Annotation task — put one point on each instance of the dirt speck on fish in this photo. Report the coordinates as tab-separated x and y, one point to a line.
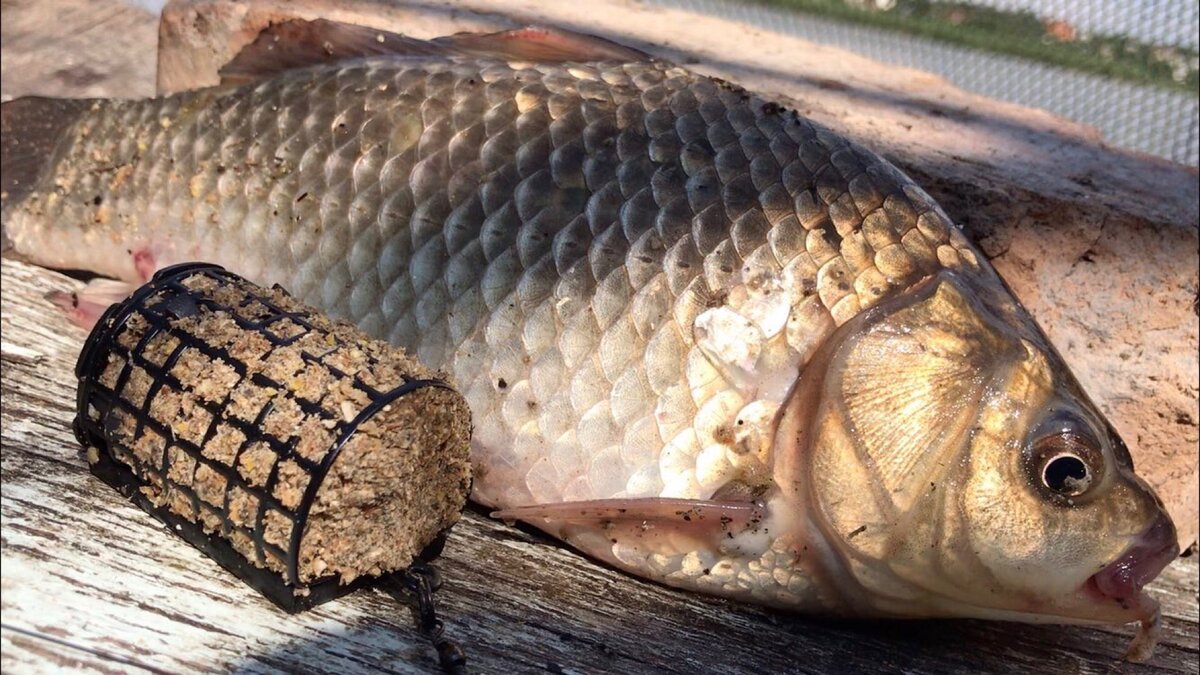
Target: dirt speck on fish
703	338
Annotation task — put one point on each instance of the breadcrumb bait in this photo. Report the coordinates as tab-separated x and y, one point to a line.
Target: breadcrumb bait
252	415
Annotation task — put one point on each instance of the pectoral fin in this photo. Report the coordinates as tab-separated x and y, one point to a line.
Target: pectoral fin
604	528
85	306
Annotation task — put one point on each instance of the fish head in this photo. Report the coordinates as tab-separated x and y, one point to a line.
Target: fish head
951	465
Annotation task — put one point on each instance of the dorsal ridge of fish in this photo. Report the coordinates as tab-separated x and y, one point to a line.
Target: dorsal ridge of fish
299	43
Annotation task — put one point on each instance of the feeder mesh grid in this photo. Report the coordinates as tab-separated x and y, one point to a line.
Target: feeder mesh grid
236	428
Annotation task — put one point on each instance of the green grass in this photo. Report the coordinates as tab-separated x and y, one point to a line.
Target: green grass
1020	34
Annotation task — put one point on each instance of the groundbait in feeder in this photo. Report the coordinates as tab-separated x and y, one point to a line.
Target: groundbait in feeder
300	454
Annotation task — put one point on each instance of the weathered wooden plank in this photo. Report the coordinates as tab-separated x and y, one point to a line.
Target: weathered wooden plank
77	48
92	583
32	652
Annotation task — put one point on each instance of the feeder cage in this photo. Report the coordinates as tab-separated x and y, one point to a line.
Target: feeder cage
297	452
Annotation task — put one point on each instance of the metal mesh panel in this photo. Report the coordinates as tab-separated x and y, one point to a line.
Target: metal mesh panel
1160	22
1150	119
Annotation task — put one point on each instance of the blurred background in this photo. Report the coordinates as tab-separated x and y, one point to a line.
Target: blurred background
1127	67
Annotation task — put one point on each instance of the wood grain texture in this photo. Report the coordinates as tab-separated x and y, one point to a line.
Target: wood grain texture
91	583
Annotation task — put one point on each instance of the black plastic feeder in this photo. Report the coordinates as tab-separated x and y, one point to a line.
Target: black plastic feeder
221	408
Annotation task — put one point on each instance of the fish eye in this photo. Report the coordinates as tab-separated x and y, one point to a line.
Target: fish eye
1066	475
1065	459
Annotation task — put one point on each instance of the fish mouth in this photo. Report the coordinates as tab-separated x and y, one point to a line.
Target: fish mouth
1121	581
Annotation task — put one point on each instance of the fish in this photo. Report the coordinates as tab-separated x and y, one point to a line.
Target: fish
704	339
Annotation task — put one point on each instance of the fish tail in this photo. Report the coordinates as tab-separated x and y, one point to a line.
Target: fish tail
31	130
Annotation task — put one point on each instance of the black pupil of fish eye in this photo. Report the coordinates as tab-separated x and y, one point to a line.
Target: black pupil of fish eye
1066	474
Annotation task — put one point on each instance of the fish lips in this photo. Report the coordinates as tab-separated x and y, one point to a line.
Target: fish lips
1122	580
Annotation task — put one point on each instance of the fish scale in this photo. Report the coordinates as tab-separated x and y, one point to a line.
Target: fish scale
600	254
